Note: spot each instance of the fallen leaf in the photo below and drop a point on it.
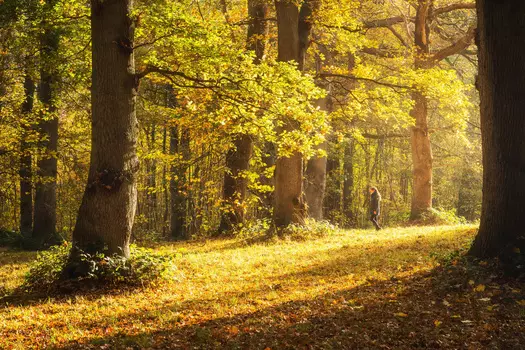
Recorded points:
(480, 288)
(437, 323)
(471, 282)
(400, 314)
(521, 302)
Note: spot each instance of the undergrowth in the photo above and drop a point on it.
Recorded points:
(144, 266)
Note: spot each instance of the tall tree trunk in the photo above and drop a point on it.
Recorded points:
(420, 139)
(315, 175)
(178, 197)
(292, 42)
(152, 183)
(107, 211)
(238, 158)
(332, 201)
(501, 75)
(26, 184)
(348, 184)
(44, 230)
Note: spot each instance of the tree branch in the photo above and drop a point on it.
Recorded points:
(352, 77)
(460, 45)
(450, 8)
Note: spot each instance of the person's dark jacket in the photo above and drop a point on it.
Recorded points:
(374, 203)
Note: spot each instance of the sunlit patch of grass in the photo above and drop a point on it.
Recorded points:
(220, 279)
(13, 267)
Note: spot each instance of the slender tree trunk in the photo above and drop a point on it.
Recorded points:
(152, 183)
(238, 158)
(44, 230)
(348, 184)
(165, 187)
(501, 75)
(107, 211)
(332, 198)
(420, 139)
(179, 198)
(26, 184)
(315, 175)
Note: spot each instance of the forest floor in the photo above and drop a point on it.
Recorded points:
(398, 288)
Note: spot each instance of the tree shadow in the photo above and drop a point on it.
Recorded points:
(440, 309)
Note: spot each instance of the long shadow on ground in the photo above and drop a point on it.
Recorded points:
(442, 309)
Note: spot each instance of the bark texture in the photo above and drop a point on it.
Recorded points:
(179, 144)
(420, 139)
(44, 230)
(26, 184)
(108, 207)
(315, 175)
(238, 158)
(501, 74)
(289, 204)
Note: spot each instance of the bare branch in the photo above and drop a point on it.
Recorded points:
(352, 77)
(455, 48)
(450, 8)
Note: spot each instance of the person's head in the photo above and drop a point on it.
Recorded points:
(373, 189)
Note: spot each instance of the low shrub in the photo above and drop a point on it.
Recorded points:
(311, 229)
(9, 238)
(143, 267)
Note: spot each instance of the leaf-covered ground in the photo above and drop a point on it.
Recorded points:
(393, 289)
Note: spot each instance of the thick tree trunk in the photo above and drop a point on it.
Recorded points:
(289, 204)
(26, 183)
(238, 158)
(107, 211)
(235, 182)
(44, 231)
(421, 159)
(420, 139)
(178, 198)
(501, 75)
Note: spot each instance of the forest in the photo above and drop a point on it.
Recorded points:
(207, 174)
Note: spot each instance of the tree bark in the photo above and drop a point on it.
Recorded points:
(289, 206)
(348, 184)
(178, 198)
(501, 74)
(107, 211)
(420, 140)
(44, 231)
(421, 158)
(238, 158)
(315, 184)
(26, 183)
(315, 175)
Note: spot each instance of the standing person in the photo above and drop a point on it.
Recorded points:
(375, 199)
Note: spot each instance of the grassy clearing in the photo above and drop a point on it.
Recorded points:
(352, 289)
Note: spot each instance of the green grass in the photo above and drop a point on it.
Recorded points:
(358, 288)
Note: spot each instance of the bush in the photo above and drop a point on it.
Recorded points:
(143, 267)
(441, 217)
(9, 238)
(311, 229)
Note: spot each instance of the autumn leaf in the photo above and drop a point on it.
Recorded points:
(437, 323)
(480, 288)
(401, 314)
